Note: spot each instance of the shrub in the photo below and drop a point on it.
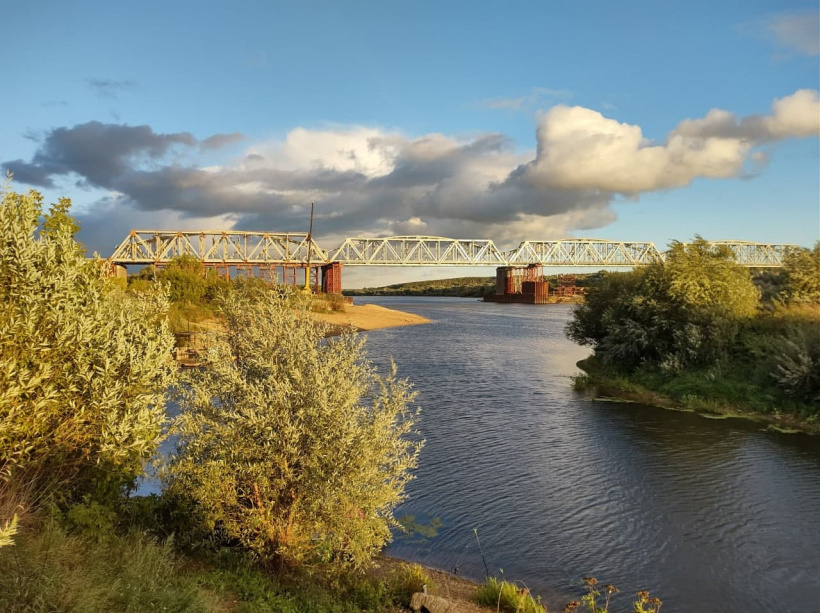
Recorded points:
(290, 444)
(406, 580)
(797, 357)
(83, 366)
(801, 272)
(670, 316)
(508, 597)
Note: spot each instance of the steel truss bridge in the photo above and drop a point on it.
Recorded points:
(248, 249)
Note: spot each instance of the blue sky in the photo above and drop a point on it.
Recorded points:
(508, 121)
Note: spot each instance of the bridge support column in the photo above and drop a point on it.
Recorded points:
(332, 278)
(523, 284)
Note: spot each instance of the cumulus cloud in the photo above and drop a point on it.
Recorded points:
(369, 181)
(579, 148)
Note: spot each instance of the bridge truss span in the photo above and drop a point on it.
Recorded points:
(217, 247)
(584, 252)
(233, 248)
(417, 251)
(757, 255)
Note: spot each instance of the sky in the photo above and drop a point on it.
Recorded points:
(641, 121)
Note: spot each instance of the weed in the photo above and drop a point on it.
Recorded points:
(507, 596)
(53, 570)
(406, 580)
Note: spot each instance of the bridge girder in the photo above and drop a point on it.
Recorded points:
(232, 248)
(235, 248)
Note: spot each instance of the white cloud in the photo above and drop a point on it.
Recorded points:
(579, 148)
(368, 181)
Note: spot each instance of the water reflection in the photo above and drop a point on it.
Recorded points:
(710, 515)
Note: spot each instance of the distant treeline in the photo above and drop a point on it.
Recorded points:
(463, 287)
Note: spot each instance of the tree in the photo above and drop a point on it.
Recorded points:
(802, 275)
(684, 311)
(702, 275)
(188, 280)
(290, 443)
(83, 366)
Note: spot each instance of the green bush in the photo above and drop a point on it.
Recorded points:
(83, 365)
(682, 313)
(797, 358)
(290, 444)
(801, 272)
(406, 580)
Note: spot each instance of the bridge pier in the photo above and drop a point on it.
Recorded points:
(524, 284)
(332, 278)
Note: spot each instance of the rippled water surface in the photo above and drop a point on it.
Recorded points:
(711, 515)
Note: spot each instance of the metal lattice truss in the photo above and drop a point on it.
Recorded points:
(295, 248)
(757, 255)
(418, 251)
(232, 248)
(584, 252)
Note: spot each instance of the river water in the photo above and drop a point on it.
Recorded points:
(710, 515)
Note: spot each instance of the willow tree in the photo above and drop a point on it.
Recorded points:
(83, 366)
(291, 443)
(671, 315)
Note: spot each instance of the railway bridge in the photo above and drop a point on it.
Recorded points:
(284, 256)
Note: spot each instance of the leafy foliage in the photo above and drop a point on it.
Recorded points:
(802, 275)
(797, 355)
(187, 279)
(83, 367)
(290, 444)
(671, 315)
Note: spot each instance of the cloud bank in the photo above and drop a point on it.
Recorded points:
(370, 181)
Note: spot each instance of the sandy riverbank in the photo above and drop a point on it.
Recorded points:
(368, 317)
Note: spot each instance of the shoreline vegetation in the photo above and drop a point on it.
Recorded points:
(604, 384)
(699, 332)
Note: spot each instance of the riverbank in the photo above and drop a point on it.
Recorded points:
(367, 317)
(606, 383)
(108, 568)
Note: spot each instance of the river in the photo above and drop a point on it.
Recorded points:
(710, 515)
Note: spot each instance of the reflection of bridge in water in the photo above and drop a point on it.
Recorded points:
(269, 252)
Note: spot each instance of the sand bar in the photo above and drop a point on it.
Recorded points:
(368, 317)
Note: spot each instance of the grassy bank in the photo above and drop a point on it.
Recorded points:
(54, 567)
(733, 394)
(82, 562)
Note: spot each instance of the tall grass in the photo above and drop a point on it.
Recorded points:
(508, 597)
(51, 570)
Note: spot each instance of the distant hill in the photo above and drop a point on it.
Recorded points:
(461, 286)
(465, 287)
